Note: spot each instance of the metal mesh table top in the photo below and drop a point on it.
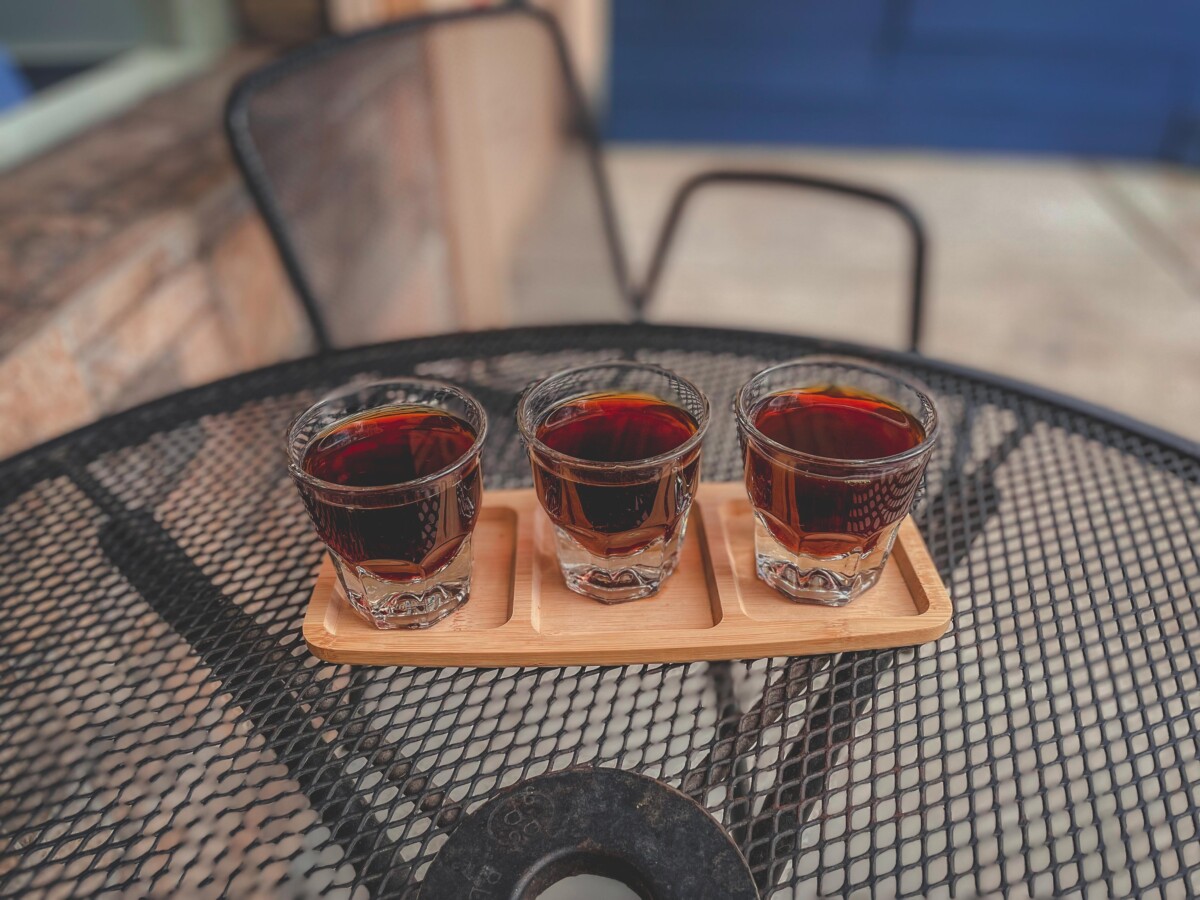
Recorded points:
(164, 731)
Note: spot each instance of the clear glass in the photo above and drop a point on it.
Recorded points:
(618, 526)
(402, 551)
(824, 527)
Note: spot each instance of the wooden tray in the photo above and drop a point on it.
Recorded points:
(713, 607)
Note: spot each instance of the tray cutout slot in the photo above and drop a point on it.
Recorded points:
(889, 598)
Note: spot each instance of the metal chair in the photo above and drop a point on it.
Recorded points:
(387, 199)
(352, 153)
(717, 178)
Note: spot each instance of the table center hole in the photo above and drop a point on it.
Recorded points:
(588, 887)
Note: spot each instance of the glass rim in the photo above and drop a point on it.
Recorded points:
(742, 414)
(297, 471)
(529, 436)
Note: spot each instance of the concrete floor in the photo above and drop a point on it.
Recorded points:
(1079, 276)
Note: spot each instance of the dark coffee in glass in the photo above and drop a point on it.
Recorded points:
(833, 454)
(390, 475)
(615, 451)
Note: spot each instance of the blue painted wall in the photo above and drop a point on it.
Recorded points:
(13, 86)
(1090, 77)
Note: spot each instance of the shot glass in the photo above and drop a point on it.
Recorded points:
(390, 475)
(615, 451)
(834, 451)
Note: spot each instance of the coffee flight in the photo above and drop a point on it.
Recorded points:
(833, 453)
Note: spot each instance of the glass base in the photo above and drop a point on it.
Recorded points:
(416, 603)
(618, 579)
(824, 580)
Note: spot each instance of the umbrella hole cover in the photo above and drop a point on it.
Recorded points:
(606, 822)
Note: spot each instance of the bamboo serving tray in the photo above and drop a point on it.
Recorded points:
(713, 607)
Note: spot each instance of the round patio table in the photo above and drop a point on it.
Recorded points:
(164, 730)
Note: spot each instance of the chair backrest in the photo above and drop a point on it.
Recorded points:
(434, 173)
(784, 251)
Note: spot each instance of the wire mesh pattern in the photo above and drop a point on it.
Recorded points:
(163, 730)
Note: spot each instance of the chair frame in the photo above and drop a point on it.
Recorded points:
(716, 177)
(637, 296)
(254, 171)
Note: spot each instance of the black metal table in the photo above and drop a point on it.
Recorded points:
(163, 729)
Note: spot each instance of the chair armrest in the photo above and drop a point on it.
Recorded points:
(683, 196)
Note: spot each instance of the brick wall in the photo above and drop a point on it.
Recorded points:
(132, 265)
